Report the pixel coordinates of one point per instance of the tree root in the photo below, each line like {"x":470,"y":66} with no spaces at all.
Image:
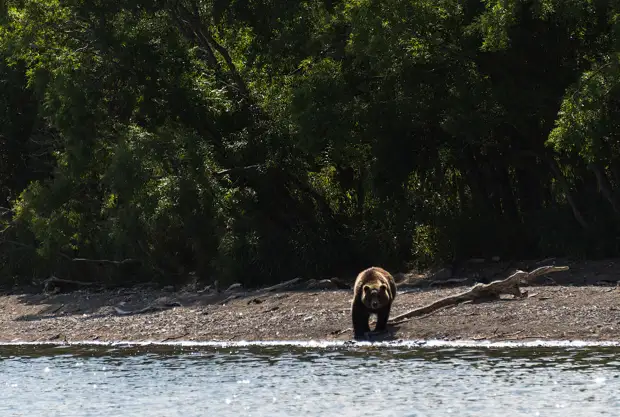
{"x":482,"y":292}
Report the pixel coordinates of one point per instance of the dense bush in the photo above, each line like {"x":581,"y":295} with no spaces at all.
{"x":258,"y":141}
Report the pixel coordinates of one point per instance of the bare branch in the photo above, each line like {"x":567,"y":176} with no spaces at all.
{"x":100,"y":261}
{"x":237,"y":169}
{"x":105,"y":261}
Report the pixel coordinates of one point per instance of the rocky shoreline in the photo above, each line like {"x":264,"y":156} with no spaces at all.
{"x":580,"y":304}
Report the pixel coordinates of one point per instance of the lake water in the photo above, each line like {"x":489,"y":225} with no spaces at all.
{"x":308,"y":380}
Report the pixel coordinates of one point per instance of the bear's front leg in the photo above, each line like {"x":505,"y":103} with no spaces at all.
{"x":360,"y":316}
{"x":382,"y":318}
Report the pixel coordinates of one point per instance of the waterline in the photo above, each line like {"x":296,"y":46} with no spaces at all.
{"x":432,"y":343}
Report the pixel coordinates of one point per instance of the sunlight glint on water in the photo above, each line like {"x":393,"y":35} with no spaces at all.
{"x":307,"y":381}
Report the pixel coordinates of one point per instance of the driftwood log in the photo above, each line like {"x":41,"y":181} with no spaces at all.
{"x":280,"y":286}
{"x":157,"y":305}
{"x":482,"y":292}
{"x":257,"y":294}
{"x":56,"y":285}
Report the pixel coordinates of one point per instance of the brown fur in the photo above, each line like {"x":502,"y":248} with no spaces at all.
{"x":373,"y":293}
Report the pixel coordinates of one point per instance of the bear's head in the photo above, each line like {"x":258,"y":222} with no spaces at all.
{"x":375,"y":296}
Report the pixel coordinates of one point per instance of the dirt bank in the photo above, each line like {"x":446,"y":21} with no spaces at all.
{"x":582,"y":303}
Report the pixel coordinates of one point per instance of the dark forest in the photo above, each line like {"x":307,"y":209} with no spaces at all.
{"x":256,"y":141}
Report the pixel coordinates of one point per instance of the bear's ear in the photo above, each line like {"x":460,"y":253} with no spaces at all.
{"x":366,"y":288}
{"x":383,"y":288}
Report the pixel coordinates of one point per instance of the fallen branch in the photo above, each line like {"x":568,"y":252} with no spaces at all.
{"x":54,"y":310}
{"x":483,"y":292}
{"x":57,"y":280}
{"x":105,"y":261}
{"x":232,"y":297}
{"x":261,"y":292}
{"x":156,"y":306}
{"x":54,"y":284}
{"x":174,"y":337}
{"x":280,"y":285}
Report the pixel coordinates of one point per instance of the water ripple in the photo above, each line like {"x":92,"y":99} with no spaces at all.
{"x":286,"y":379}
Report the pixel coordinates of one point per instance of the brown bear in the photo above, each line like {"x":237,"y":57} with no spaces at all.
{"x":373,"y":293}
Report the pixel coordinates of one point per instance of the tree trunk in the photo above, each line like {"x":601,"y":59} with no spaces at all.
{"x":604,"y":186}
{"x":559,"y":176}
{"x":509,"y":204}
{"x":476,"y":184}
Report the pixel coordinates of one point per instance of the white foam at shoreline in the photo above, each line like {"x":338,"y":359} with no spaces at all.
{"x":414,"y":344}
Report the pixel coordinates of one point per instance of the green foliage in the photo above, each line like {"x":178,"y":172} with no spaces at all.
{"x":257,"y":141}
{"x":587,"y":122}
